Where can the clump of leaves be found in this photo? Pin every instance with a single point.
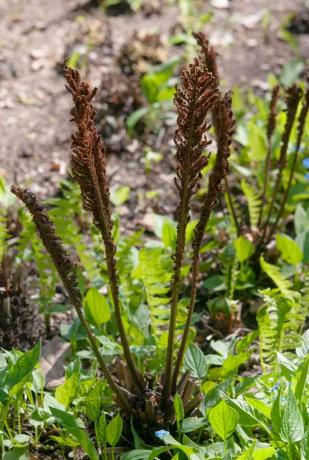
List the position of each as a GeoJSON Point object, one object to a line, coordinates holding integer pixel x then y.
{"type": "Point", "coordinates": [148, 398]}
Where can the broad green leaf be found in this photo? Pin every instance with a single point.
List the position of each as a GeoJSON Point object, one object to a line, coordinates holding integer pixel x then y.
{"type": "Point", "coordinates": [22, 367]}
{"type": "Point", "coordinates": [290, 251]}
{"type": "Point", "coordinates": [292, 425]}
{"type": "Point", "coordinates": [244, 248]}
{"type": "Point", "coordinates": [195, 362]}
{"type": "Point", "coordinates": [191, 424]}
{"type": "Point", "coordinates": [17, 453]}
{"type": "Point", "coordinates": [137, 454]}
{"type": "Point", "coordinates": [69, 423]}
{"type": "Point", "coordinates": [114, 430]}
{"type": "Point", "coordinates": [120, 195]}
{"type": "Point", "coordinates": [178, 407]}
{"type": "Point", "coordinates": [291, 71]}
{"type": "Point", "coordinates": [96, 308]}
{"type": "Point", "coordinates": [223, 420]}
{"type": "Point", "coordinates": [66, 392]}
{"type": "Point", "coordinates": [259, 405]}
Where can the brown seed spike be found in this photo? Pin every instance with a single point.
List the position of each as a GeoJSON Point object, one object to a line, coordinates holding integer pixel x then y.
{"type": "Point", "coordinates": [194, 99]}
{"type": "Point", "coordinates": [67, 273]}
{"type": "Point", "coordinates": [224, 125]}
{"type": "Point", "coordinates": [89, 170]}
{"type": "Point", "coordinates": [209, 54]}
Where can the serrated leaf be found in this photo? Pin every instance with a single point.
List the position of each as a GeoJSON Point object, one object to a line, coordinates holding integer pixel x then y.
{"type": "Point", "coordinates": [195, 362]}
{"type": "Point", "coordinates": [223, 420]}
{"type": "Point", "coordinates": [292, 425]}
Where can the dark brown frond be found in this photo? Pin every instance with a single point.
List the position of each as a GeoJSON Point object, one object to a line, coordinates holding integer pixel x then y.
{"type": "Point", "coordinates": [293, 97]}
{"type": "Point", "coordinates": [194, 99]}
{"type": "Point", "coordinates": [89, 169]}
{"type": "Point", "coordinates": [209, 54]}
{"type": "Point", "coordinates": [67, 273]}
{"type": "Point", "coordinates": [224, 125]}
{"type": "Point", "coordinates": [53, 244]}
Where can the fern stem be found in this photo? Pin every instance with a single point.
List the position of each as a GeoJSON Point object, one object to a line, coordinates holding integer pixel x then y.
{"type": "Point", "coordinates": [180, 246]}
{"type": "Point", "coordinates": [271, 125]}
{"type": "Point", "coordinates": [113, 281]}
{"type": "Point", "coordinates": [301, 125]}
{"type": "Point", "coordinates": [193, 100]}
{"type": "Point", "coordinates": [224, 127]}
{"type": "Point", "coordinates": [231, 206]}
{"type": "Point", "coordinates": [293, 98]}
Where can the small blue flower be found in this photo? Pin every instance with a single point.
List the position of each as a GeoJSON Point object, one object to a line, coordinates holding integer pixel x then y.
{"type": "Point", "coordinates": [275, 387]}
{"type": "Point", "coordinates": [307, 176]}
{"type": "Point", "coordinates": [161, 433]}
{"type": "Point", "coordinates": [306, 162]}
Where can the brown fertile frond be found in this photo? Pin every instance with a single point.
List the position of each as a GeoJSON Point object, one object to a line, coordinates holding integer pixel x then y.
{"type": "Point", "coordinates": [224, 125]}
{"type": "Point", "coordinates": [53, 244]}
{"type": "Point", "coordinates": [271, 125]}
{"type": "Point", "coordinates": [271, 121]}
{"type": "Point", "coordinates": [194, 99]}
{"type": "Point", "coordinates": [300, 130]}
{"type": "Point", "coordinates": [89, 156]}
{"type": "Point", "coordinates": [293, 97]}
{"type": "Point", "coordinates": [209, 54]}
{"type": "Point", "coordinates": [67, 272]}
{"type": "Point", "coordinates": [89, 169]}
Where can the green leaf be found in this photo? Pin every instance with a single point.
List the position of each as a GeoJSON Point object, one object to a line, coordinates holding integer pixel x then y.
{"type": "Point", "coordinates": [114, 430]}
{"type": "Point", "coordinates": [257, 140]}
{"type": "Point", "coordinates": [137, 454]}
{"type": "Point", "coordinates": [292, 425]}
{"type": "Point", "coordinates": [290, 251]}
{"type": "Point", "coordinates": [223, 420]}
{"type": "Point", "coordinates": [96, 308]}
{"type": "Point", "coordinates": [120, 195]}
{"type": "Point", "coordinates": [101, 429]}
{"type": "Point", "coordinates": [135, 117]}
{"type": "Point", "coordinates": [93, 403]}
{"type": "Point", "coordinates": [195, 362]}
{"type": "Point", "coordinates": [23, 367]}
{"type": "Point", "coordinates": [178, 407]}
{"type": "Point", "coordinates": [244, 248]}
{"type": "Point", "coordinates": [191, 424]}
{"type": "Point", "coordinates": [18, 453]}
{"type": "Point", "coordinates": [291, 71]}
{"type": "Point", "coordinates": [69, 423]}
{"type": "Point", "coordinates": [66, 392]}
{"type": "Point", "coordinates": [301, 378]}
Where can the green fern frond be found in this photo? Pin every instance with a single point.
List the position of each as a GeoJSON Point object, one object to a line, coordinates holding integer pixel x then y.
{"type": "Point", "coordinates": [254, 202]}
{"type": "Point", "coordinates": [155, 270]}
{"type": "Point", "coordinates": [280, 321]}
{"type": "Point", "coordinates": [278, 278]}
